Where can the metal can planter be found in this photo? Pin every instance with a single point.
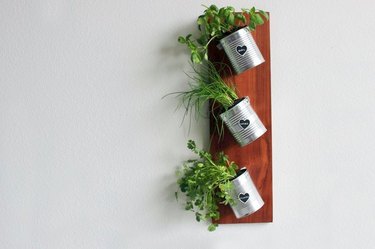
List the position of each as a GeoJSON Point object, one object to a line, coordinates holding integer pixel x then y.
{"type": "Point", "coordinates": [242, 50]}
{"type": "Point", "coordinates": [243, 122]}
{"type": "Point", "coordinates": [245, 194]}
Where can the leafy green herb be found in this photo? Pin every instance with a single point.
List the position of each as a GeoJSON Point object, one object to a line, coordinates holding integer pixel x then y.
{"type": "Point", "coordinates": [215, 23]}
{"type": "Point", "coordinates": [206, 182]}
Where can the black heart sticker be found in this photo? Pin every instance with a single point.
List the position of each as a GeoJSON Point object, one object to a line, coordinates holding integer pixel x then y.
{"type": "Point", "coordinates": [244, 123]}
{"type": "Point", "coordinates": [241, 49]}
{"type": "Point", "coordinates": [243, 197]}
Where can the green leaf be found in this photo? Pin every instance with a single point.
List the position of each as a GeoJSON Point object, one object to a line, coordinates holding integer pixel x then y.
{"type": "Point", "coordinates": [263, 13]}
{"type": "Point", "coordinates": [222, 12]}
{"type": "Point", "coordinates": [215, 215]}
{"type": "Point", "coordinates": [181, 40]}
{"type": "Point", "coordinates": [191, 145]}
{"type": "Point", "coordinates": [198, 217]}
{"type": "Point", "coordinates": [213, 30]}
{"type": "Point", "coordinates": [195, 58]}
{"type": "Point", "coordinates": [258, 19]}
{"type": "Point", "coordinates": [227, 13]}
{"type": "Point", "coordinates": [214, 8]}
{"type": "Point", "coordinates": [252, 10]}
{"type": "Point", "coordinates": [183, 187]}
{"type": "Point", "coordinates": [222, 187]}
{"type": "Point", "coordinates": [200, 20]}
{"type": "Point", "coordinates": [252, 26]}
{"type": "Point", "coordinates": [212, 227]}
{"type": "Point", "coordinates": [191, 45]}
{"type": "Point", "coordinates": [241, 17]}
{"type": "Point", "coordinates": [205, 56]}
{"type": "Point", "coordinates": [217, 20]}
{"type": "Point", "coordinates": [231, 19]}
{"type": "Point", "coordinates": [189, 206]}
{"type": "Point", "coordinates": [197, 202]}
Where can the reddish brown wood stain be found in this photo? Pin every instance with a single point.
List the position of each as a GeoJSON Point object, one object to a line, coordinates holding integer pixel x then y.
{"type": "Point", "coordinates": [257, 156]}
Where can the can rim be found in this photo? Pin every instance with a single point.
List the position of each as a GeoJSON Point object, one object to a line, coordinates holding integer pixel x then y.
{"type": "Point", "coordinates": [240, 173]}
{"type": "Point", "coordinates": [234, 107]}
{"type": "Point", "coordinates": [234, 36]}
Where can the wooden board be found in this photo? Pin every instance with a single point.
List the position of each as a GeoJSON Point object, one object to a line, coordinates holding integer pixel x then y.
{"type": "Point", "coordinates": [257, 156]}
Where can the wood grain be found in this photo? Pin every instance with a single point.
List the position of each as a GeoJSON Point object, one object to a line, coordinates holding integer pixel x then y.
{"type": "Point", "coordinates": [257, 156]}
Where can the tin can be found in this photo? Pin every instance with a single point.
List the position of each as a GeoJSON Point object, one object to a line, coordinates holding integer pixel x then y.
{"type": "Point", "coordinates": [241, 50]}
{"type": "Point", "coordinates": [243, 122]}
{"type": "Point", "coordinates": [245, 195]}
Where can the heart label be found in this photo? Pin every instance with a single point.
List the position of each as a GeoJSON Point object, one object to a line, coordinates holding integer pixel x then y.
{"type": "Point", "coordinates": [241, 49]}
{"type": "Point", "coordinates": [244, 123]}
{"type": "Point", "coordinates": [243, 197]}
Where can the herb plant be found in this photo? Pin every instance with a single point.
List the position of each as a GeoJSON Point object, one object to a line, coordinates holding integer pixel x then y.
{"type": "Point", "coordinates": [206, 183]}
{"type": "Point", "coordinates": [208, 86]}
{"type": "Point", "coordinates": [215, 23]}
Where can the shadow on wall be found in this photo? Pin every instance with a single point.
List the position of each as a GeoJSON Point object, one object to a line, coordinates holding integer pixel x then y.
{"type": "Point", "coordinates": [170, 210]}
{"type": "Point", "coordinates": [163, 73]}
{"type": "Point", "coordinates": [173, 53]}
{"type": "Point", "coordinates": [169, 57]}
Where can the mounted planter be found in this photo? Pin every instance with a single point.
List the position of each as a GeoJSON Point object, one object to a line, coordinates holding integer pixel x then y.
{"type": "Point", "coordinates": [210, 181]}
{"type": "Point", "coordinates": [239, 117]}
{"type": "Point", "coordinates": [245, 195]}
{"type": "Point", "coordinates": [241, 49]}
{"type": "Point", "coordinates": [239, 45]}
{"type": "Point", "coordinates": [243, 122]}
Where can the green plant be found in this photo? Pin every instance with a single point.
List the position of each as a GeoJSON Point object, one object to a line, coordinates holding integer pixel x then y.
{"type": "Point", "coordinates": [215, 23]}
{"type": "Point", "coordinates": [206, 183]}
{"type": "Point", "coordinates": [207, 86]}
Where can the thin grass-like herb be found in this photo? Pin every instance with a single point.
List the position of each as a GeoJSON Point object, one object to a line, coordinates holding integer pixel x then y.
{"type": "Point", "coordinates": [207, 87]}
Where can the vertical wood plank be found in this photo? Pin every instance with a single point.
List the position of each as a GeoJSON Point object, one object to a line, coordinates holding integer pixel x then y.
{"type": "Point", "coordinates": [257, 156]}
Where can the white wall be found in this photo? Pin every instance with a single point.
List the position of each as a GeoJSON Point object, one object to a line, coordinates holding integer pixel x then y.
{"type": "Point", "coordinates": [88, 149]}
